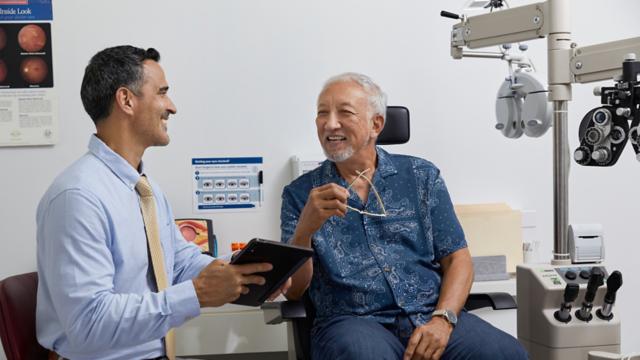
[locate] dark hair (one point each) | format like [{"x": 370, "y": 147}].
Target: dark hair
[{"x": 109, "y": 70}]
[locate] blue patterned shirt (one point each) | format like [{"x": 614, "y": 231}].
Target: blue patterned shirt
[{"x": 379, "y": 267}]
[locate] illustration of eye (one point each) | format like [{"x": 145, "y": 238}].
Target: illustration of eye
[
  {"x": 207, "y": 198},
  {"x": 207, "y": 184},
  {"x": 232, "y": 198},
  {"x": 232, "y": 183},
  {"x": 244, "y": 183},
  {"x": 220, "y": 198},
  {"x": 34, "y": 69},
  {"x": 245, "y": 197},
  {"x": 32, "y": 38},
  {"x": 220, "y": 184}
]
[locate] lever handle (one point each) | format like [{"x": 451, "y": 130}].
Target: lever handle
[
  {"x": 450, "y": 15},
  {"x": 614, "y": 282}
]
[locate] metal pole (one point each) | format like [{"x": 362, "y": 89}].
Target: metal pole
[
  {"x": 559, "y": 51},
  {"x": 560, "y": 183}
]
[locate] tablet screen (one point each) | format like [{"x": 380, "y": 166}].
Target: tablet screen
[{"x": 286, "y": 260}]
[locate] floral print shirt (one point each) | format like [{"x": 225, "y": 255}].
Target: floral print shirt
[{"x": 379, "y": 267}]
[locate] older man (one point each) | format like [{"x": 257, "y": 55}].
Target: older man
[
  {"x": 115, "y": 273},
  {"x": 391, "y": 271}
]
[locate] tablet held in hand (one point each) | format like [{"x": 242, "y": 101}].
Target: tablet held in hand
[{"x": 286, "y": 260}]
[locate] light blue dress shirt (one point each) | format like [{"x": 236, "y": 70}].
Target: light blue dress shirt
[{"x": 96, "y": 291}]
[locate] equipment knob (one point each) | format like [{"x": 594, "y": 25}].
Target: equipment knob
[
  {"x": 626, "y": 112},
  {"x": 601, "y": 155},
  {"x": 617, "y": 135},
  {"x": 597, "y": 91},
  {"x": 594, "y": 135},
  {"x": 585, "y": 274},
  {"x": 581, "y": 155}
]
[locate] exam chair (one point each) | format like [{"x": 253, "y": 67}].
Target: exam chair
[
  {"x": 18, "y": 318},
  {"x": 299, "y": 315}
]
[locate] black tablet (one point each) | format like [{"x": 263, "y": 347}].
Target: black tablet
[{"x": 285, "y": 258}]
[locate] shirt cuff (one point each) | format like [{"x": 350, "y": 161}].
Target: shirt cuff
[
  {"x": 183, "y": 303},
  {"x": 226, "y": 257}
]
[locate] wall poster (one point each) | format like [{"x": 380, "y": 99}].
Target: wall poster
[
  {"x": 28, "y": 103},
  {"x": 232, "y": 184}
]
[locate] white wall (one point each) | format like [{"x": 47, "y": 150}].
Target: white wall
[{"x": 245, "y": 76}]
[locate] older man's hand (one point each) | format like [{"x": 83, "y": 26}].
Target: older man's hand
[
  {"x": 429, "y": 340},
  {"x": 324, "y": 202}
]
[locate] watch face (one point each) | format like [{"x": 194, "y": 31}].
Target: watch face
[{"x": 451, "y": 316}]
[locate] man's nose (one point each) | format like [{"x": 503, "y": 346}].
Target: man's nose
[
  {"x": 172, "y": 107},
  {"x": 332, "y": 122}
]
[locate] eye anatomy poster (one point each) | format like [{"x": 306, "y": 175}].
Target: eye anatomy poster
[
  {"x": 227, "y": 184},
  {"x": 28, "y": 102}
]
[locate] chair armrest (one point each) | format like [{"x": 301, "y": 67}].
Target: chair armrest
[
  {"x": 603, "y": 355},
  {"x": 277, "y": 312},
  {"x": 497, "y": 300}
]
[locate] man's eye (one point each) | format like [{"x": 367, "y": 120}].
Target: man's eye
[
  {"x": 347, "y": 112},
  {"x": 322, "y": 113}
]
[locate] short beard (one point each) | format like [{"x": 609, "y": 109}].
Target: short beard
[
  {"x": 346, "y": 154},
  {"x": 340, "y": 157}
]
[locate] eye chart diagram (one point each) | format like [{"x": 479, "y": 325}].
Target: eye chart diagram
[{"x": 227, "y": 184}]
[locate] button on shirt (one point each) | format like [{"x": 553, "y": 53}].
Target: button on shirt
[
  {"x": 379, "y": 267},
  {"x": 97, "y": 296}
]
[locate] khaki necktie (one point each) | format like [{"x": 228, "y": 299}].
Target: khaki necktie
[{"x": 148, "y": 207}]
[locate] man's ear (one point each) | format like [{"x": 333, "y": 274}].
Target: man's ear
[
  {"x": 124, "y": 100},
  {"x": 377, "y": 125}
]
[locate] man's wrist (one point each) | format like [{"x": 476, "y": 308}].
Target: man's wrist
[
  {"x": 302, "y": 238},
  {"x": 441, "y": 320},
  {"x": 446, "y": 315}
]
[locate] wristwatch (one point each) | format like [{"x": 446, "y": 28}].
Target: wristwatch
[{"x": 448, "y": 315}]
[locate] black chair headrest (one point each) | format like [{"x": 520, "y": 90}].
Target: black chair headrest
[{"x": 396, "y": 127}]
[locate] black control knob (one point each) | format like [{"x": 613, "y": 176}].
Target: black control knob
[
  {"x": 570, "y": 295},
  {"x": 595, "y": 281},
  {"x": 614, "y": 282},
  {"x": 584, "y": 274},
  {"x": 570, "y": 275}
]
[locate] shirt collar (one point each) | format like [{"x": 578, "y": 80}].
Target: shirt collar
[
  {"x": 385, "y": 167},
  {"x": 116, "y": 163}
]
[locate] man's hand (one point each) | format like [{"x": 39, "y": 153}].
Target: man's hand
[
  {"x": 220, "y": 282},
  {"x": 282, "y": 290},
  {"x": 324, "y": 202},
  {"x": 429, "y": 340}
]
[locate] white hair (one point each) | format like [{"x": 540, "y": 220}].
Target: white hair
[{"x": 377, "y": 98}]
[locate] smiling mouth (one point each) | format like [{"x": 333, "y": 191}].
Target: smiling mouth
[{"x": 335, "y": 138}]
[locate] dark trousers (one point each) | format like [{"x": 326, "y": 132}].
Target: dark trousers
[{"x": 354, "y": 338}]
